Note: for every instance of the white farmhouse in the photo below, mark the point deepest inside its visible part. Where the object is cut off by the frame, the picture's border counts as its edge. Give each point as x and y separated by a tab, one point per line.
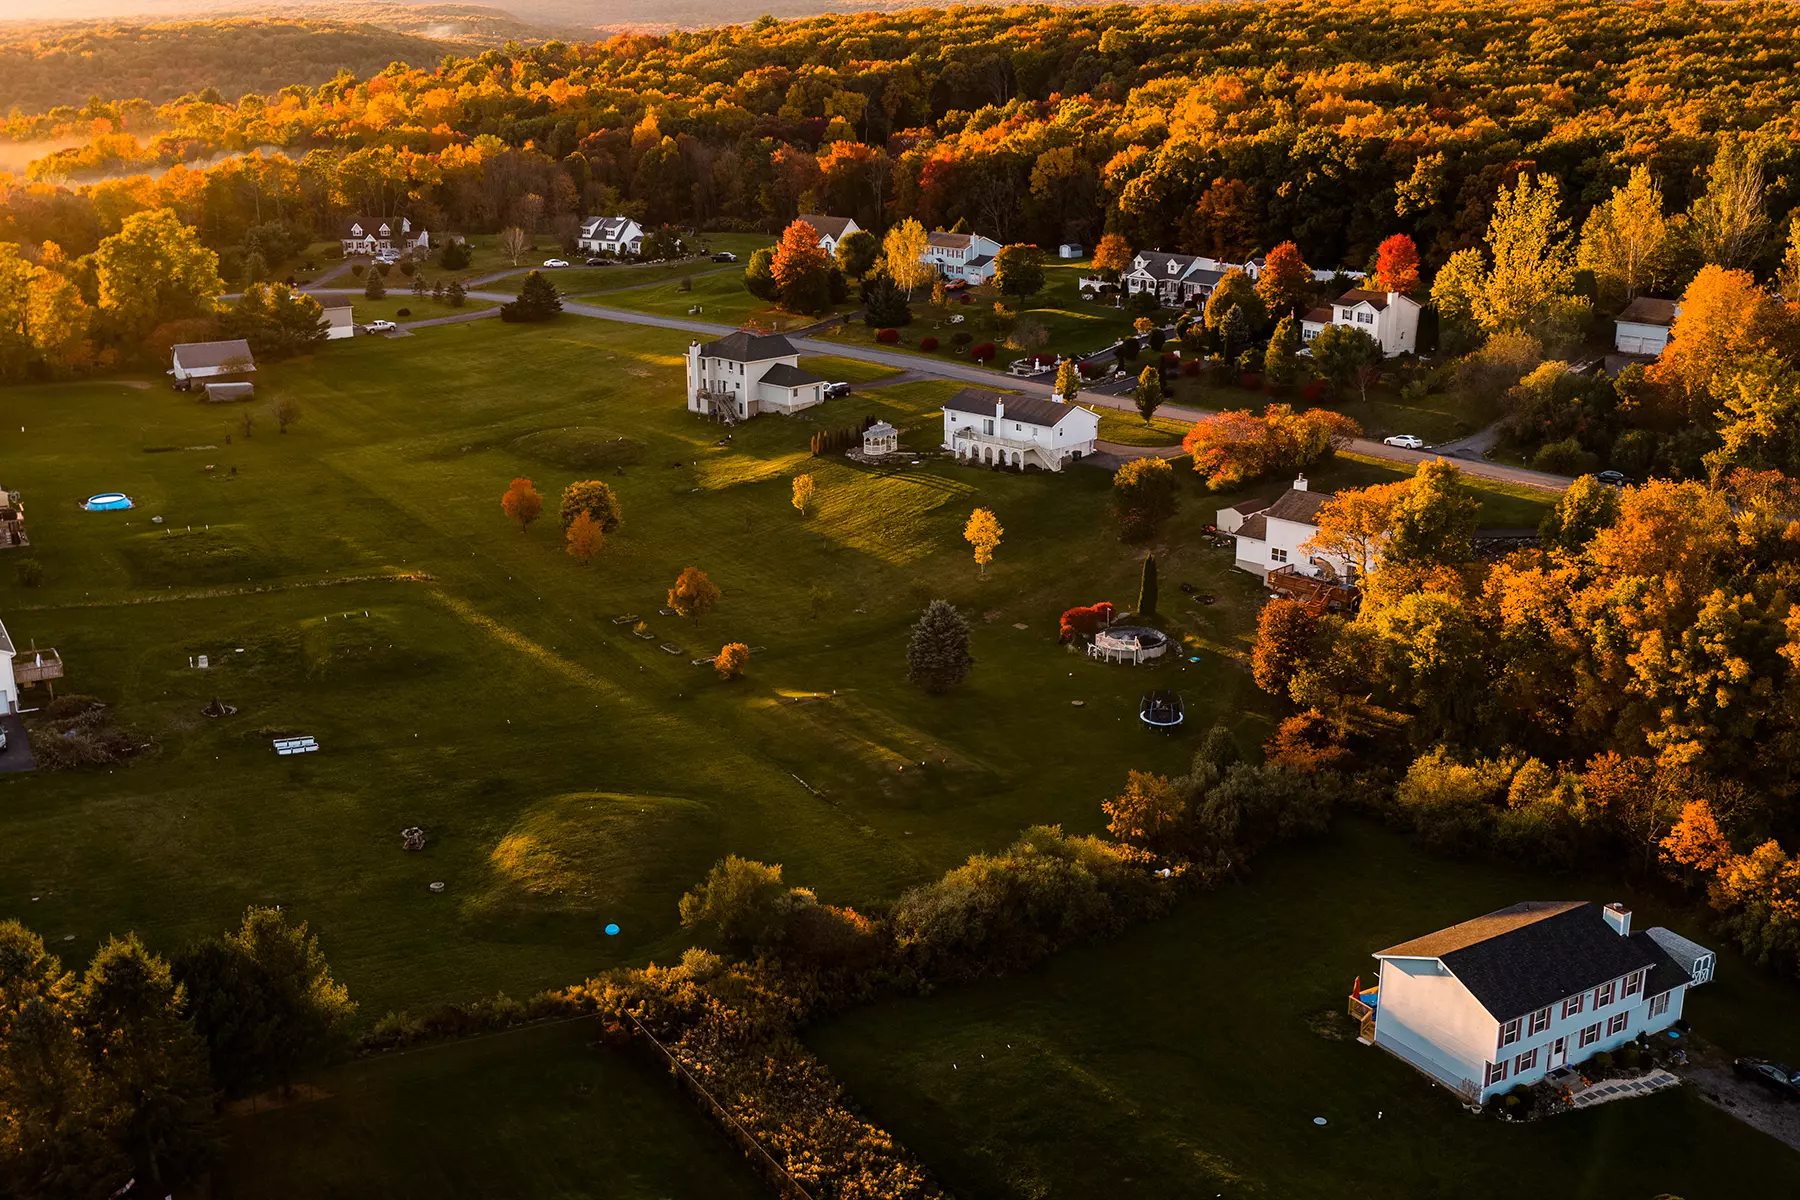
832	230
1269	541
1643	326
382	235
193	361
1175	280
1391	318
965	256
1017	431
745	373
610	235
1509	997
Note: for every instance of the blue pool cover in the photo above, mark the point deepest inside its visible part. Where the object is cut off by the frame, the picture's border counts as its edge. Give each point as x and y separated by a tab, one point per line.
107	501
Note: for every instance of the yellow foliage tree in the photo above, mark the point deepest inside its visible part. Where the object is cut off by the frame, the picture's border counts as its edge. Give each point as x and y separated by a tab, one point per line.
983	532
804	488
903	250
694	595
730	660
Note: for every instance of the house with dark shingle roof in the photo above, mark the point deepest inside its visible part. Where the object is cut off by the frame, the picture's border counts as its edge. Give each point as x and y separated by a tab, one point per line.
831	230
1391	318
1509	997
965	256
747	373
228	359
610	235
994	429
1273	539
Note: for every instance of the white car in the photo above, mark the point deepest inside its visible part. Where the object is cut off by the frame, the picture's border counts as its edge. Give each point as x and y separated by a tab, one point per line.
556	262
381	327
1405	441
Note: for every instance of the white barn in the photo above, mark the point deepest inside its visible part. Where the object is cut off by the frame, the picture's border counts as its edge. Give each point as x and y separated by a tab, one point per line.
192	361
745	373
965	256
1643	325
340	322
610	235
1391	318
1506	998
831	230
1017	431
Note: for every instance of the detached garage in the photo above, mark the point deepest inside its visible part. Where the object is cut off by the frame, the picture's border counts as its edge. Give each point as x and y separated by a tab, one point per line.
1643	328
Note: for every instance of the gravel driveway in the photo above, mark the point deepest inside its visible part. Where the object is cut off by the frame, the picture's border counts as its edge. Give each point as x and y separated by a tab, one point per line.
1748	1102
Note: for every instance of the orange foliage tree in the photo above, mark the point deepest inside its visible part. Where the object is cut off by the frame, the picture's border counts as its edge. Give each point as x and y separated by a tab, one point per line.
1150	813
522	503
583	537
1285	634
1725	320
730	660
1397	265
1230	448
1285	280
1112	254
801	269
694	595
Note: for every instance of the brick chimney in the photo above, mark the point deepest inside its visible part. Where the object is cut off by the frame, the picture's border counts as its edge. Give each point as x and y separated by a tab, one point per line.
1619	917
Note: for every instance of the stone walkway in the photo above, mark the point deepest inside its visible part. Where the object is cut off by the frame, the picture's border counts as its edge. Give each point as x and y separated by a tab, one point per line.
1609	1090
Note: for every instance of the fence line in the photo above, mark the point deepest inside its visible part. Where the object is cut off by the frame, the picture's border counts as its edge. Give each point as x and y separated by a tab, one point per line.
777	1174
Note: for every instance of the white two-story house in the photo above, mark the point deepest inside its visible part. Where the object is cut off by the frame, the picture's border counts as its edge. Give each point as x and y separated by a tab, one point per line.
1391	318
1269	540
831	230
1017	431
382	235
745	373
610	235
1176	280
965	256
1504	999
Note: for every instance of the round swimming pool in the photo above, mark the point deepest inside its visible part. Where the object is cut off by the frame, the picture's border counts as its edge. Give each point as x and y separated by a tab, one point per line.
1146	637
107	501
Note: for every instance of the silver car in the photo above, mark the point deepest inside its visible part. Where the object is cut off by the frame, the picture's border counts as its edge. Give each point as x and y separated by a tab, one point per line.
1405	441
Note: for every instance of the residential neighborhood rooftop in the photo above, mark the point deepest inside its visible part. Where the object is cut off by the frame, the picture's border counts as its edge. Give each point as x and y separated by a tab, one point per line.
1519	959
189	355
1029	409
1649	310
746	346
782	375
831	227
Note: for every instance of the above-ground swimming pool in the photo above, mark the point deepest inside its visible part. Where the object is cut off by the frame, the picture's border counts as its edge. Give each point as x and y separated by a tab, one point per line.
1129	643
106	502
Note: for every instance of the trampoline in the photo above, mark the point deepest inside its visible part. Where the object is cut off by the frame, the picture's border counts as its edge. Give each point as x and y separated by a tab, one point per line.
107	502
1161	709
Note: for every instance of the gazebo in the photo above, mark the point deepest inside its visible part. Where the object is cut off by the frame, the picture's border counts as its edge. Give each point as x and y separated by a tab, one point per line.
881	438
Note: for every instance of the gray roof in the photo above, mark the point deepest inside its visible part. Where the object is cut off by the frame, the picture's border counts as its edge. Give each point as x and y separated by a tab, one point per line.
980	260
955	240
782	375
1649	310
1157	263
1245	507
605	228
745	346
1256	528
6	642
1519	959
1298	506
831	227
1683	951
361	227
192	355
1028	409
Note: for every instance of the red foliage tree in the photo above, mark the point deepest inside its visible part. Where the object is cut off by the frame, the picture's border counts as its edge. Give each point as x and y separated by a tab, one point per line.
1085	620
1397	265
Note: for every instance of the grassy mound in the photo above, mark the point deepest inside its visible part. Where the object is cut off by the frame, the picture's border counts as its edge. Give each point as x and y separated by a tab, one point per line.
582	447
599	855
355	645
221	554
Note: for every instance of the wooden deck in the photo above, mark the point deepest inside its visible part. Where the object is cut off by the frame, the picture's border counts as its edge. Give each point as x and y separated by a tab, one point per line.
1290	583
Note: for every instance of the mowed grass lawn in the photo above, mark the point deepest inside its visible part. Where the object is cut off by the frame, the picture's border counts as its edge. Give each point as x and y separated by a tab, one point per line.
1189	1058
538	1112
569	775
720	296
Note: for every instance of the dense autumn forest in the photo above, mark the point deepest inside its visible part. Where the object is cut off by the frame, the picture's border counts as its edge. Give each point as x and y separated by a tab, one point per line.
1227	126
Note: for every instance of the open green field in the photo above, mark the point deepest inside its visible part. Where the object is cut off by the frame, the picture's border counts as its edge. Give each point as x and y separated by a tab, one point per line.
720	297
418	308
1189	1058
568	774
1130	429
535	1112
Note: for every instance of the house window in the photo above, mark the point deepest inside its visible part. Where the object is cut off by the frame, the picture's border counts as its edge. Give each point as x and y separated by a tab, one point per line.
1365	318
1540	1020
1634	983
987	427
1496	1073
1603	995
1278	555
1590	1035
1573	1005
1525	1062
1659	1004
1018	428
1617	1024
1509	1032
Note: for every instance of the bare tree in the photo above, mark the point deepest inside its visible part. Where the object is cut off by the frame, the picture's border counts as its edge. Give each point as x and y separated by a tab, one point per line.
513	243
286	412
1730	220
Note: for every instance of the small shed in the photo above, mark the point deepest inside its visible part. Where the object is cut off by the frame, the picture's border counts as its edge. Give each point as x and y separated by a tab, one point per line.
210	360
1642	327
881	438
229	393
1069	250
339	322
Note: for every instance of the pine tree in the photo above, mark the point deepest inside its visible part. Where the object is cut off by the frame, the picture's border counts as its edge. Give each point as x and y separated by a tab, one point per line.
937	654
884	303
537	301
455	293
375	289
1146	605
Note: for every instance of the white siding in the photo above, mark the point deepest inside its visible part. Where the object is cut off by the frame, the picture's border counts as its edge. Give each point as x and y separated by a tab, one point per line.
1629	337
1426	1011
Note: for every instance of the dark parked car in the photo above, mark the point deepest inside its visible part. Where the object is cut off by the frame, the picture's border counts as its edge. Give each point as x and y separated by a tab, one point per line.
834	390
1783	1081
724	256
1613	478
599	262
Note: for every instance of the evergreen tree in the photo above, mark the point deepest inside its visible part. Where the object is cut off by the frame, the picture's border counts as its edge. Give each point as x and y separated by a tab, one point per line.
1281	361
537	301
1146	605
759	274
455	255
1235	330
1149	394
374	289
937	654
455	293
884	302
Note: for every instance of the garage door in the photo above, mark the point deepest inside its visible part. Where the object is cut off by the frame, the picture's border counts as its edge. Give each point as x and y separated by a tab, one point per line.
1634	345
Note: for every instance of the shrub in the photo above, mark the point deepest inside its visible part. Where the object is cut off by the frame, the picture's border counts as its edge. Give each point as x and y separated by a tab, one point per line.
1565	458
596	498
1314	389
1089	370
928	344
1629	1057
384	269
1250	381
357	269
403	312
961	338
1603	1061
1191	367
29	572
1170	361
889	335
983	352
408	267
